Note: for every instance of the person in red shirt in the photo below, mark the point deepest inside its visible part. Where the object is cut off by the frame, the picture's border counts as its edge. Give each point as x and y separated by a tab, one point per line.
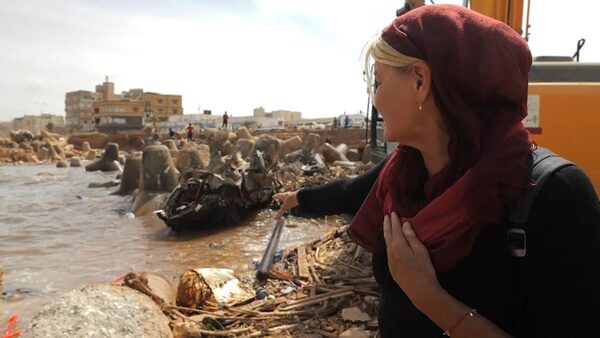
225	119
190	132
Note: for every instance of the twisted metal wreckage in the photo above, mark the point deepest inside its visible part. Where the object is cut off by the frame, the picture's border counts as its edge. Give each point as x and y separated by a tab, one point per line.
222	193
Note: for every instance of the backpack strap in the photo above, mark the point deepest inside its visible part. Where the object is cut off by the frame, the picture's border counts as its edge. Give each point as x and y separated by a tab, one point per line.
543	164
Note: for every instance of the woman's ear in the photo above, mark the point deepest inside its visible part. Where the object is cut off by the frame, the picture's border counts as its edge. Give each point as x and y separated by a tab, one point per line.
422	77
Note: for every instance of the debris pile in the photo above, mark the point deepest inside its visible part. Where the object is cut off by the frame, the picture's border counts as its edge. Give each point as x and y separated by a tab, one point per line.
324	288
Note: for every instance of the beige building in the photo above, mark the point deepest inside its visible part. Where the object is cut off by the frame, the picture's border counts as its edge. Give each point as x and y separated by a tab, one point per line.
288	117
37	123
104	110
79	109
159	107
115	115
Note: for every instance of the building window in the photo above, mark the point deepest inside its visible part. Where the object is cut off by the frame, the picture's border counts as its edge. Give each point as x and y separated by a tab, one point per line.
174	101
174	111
135	109
159	101
96	110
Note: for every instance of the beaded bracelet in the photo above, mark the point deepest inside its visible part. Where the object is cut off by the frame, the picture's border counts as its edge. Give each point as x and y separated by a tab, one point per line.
467	315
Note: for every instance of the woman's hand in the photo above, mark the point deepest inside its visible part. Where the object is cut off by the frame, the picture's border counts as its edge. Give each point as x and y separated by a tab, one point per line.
288	200
409	262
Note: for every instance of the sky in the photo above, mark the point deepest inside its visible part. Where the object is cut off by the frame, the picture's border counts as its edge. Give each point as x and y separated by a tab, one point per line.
234	55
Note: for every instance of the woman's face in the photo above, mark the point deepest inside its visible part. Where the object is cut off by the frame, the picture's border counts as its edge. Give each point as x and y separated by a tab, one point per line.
396	100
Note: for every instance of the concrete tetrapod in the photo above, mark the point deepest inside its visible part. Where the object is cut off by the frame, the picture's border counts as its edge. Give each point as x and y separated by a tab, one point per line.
158	175
131	176
108	161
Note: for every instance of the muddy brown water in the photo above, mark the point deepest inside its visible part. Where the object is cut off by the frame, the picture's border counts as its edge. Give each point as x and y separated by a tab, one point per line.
57	235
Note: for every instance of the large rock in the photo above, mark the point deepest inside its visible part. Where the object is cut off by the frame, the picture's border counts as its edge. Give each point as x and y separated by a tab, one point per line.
290	145
85	146
221	135
331	154
43	154
158	175
342	148
131	176
170	144
190	157
91	155
100	311
243	133
312	141
245	146
53	155
108	161
75	162
269	145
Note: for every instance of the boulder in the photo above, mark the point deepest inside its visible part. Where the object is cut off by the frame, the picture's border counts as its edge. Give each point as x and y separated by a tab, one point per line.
331	154
190	157
108	161
61	164
53	155
170	144
243	133
75	162
354	155
227	148
245	146
43	154
342	148
85	146
270	146
100	311
290	145
58	150
221	135
91	155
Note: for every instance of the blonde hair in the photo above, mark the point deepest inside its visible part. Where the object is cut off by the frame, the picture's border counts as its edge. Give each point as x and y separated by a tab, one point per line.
377	50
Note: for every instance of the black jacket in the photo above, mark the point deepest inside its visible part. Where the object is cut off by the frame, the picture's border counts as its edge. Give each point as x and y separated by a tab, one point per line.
554	291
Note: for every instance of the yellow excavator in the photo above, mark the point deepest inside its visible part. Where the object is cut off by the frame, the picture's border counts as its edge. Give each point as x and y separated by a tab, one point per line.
564	94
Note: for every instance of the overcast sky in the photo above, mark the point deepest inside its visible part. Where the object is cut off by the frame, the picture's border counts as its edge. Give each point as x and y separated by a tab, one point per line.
233	55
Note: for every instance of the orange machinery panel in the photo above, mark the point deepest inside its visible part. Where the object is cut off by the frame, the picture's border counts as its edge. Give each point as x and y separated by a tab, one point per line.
569	123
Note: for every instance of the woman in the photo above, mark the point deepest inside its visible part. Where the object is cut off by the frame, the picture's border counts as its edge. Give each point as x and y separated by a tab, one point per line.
452	87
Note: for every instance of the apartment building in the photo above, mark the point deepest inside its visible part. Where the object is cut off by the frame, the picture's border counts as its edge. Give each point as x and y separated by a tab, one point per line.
159	107
79	109
287	116
106	111
37	123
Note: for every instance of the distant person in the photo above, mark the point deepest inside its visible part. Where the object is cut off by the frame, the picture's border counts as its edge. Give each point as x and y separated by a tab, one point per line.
171	133
155	135
190	132
225	119
346	121
335	122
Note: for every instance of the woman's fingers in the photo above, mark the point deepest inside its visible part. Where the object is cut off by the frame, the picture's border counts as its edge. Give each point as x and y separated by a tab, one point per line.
288	201
411	238
392	231
387	230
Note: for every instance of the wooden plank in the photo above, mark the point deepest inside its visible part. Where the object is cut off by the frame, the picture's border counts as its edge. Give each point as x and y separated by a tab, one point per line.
302	263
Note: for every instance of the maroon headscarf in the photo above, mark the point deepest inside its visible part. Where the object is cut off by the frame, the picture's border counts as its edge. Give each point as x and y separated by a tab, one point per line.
479	69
